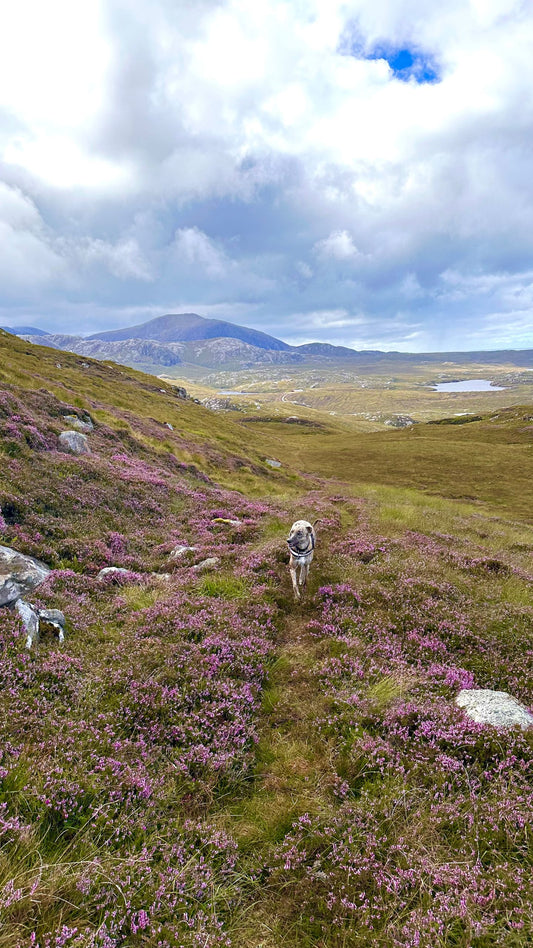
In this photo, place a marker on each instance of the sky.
(356, 172)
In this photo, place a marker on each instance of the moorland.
(204, 762)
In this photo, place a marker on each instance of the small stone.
(30, 621)
(272, 463)
(179, 551)
(74, 441)
(209, 563)
(169, 426)
(112, 571)
(497, 708)
(56, 619)
(82, 424)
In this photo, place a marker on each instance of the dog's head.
(301, 536)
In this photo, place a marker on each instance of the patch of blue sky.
(407, 63)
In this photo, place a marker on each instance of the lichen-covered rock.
(30, 621)
(19, 574)
(497, 708)
(74, 441)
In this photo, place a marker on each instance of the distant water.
(228, 392)
(468, 385)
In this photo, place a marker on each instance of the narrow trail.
(294, 771)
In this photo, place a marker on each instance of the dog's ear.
(316, 521)
(309, 529)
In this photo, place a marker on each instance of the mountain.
(24, 330)
(187, 327)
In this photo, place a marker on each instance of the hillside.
(146, 355)
(204, 762)
(24, 330)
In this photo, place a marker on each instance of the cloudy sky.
(353, 172)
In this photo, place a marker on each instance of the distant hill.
(332, 352)
(24, 330)
(188, 327)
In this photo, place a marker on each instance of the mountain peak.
(189, 327)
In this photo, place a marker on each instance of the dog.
(301, 541)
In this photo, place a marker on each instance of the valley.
(366, 398)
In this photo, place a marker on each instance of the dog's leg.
(303, 575)
(292, 570)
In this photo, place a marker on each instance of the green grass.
(220, 586)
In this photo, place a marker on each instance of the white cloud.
(339, 246)
(28, 260)
(124, 259)
(192, 246)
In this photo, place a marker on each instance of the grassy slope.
(206, 763)
(488, 462)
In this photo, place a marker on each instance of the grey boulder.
(19, 574)
(74, 441)
(497, 708)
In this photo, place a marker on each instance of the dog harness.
(301, 554)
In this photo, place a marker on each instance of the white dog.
(301, 547)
